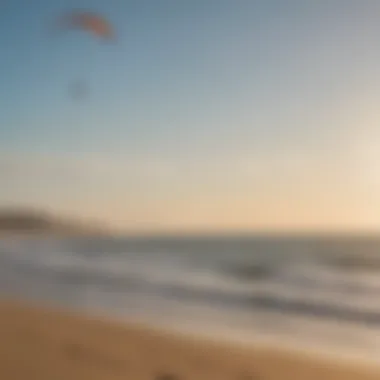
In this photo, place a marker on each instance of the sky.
(203, 115)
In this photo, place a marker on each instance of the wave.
(254, 275)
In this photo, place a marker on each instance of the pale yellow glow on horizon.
(299, 190)
(312, 212)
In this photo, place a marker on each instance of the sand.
(44, 344)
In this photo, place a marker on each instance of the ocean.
(317, 293)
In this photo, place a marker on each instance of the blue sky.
(209, 114)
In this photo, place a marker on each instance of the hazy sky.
(205, 114)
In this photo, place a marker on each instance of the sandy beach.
(41, 343)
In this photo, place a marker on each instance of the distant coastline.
(35, 222)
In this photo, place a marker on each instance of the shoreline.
(55, 343)
(236, 332)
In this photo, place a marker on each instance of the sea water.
(313, 292)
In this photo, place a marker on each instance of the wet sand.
(44, 344)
